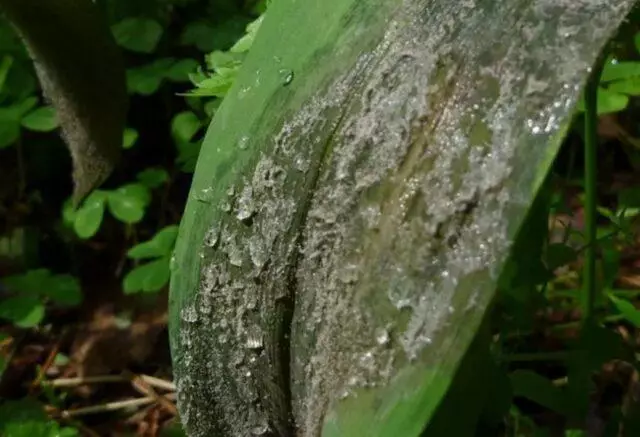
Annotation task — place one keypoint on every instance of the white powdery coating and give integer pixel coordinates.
(407, 229)
(439, 125)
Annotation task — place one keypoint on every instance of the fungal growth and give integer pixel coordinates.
(372, 207)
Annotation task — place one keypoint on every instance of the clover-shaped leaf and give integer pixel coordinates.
(149, 277)
(160, 245)
(128, 202)
(87, 219)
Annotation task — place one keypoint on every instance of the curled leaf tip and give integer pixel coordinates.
(82, 74)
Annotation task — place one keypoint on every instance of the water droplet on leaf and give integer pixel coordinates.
(286, 76)
(257, 251)
(212, 236)
(205, 195)
(246, 206)
(382, 336)
(243, 142)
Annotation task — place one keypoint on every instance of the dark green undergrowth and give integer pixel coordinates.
(58, 264)
(564, 330)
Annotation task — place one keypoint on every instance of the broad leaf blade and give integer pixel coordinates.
(379, 186)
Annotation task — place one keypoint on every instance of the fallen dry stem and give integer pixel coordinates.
(112, 406)
(74, 382)
(142, 386)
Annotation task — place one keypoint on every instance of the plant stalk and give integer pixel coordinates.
(590, 183)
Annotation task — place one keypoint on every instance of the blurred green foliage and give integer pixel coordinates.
(181, 58)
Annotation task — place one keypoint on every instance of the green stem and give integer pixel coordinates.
(590, 176)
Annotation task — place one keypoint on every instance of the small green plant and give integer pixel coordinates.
(20, 111)
(619, 81)
(26, 418)
(162, 44)
(154, 274)
(223, 66)
(30, 292)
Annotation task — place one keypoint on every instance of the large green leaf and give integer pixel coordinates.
(355, 200)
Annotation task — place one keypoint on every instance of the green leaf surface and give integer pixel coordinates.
(540, 390)
(184, 126)
(636, 41)
(20, 82)
(153, 177)
(245, 43)
(26, 418)
(627, 309)
(630, 87)
(43, 119)
(32, 282)
(137, 34)
(64, 290)
(620, 70)
(9, 130)
(129, 138)
(224, 63)
(608, 101)
(211, 36)
(160, 245)
(180, 71)
(128, 203)
(10, 118)
(68, 213)
(61, 289)
(5, 66)
(88, 217)
(147, 278)
(366, 219)
(188, 153)
(216, 86)
(147, 79)
(23, 311)
(200, 34)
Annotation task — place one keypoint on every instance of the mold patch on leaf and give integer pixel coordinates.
(356, 228)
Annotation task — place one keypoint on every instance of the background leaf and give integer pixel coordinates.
(626, 308)
(129, 138)
(153, 177)
(23, 311)
(181, 70)
(128, 203)
(138, 34)
(184, 126)
(42, 119)
(89, 216)
(149, 277)
(160, 245)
